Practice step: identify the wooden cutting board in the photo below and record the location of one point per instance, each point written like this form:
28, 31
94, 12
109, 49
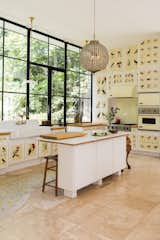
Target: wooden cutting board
5, 133
60, 136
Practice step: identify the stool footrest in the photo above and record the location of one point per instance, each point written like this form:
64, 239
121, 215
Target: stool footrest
52, 168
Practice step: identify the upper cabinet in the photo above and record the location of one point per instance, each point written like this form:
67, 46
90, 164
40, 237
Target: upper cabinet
131, 57
149, 65
149, 52
116, 59
123, 91
149, 80
131, 70
149, 99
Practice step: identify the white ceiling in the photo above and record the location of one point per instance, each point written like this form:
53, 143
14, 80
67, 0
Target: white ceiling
118, 22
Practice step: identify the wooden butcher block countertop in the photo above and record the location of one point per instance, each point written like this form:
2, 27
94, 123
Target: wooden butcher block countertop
60, 136
57, 128
5, 133
87, 124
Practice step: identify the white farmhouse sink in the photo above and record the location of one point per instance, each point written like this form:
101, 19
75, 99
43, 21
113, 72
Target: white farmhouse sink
23, 131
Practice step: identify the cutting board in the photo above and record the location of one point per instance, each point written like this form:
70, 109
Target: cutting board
60, 136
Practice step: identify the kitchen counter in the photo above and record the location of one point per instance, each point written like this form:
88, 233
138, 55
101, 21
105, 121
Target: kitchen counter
86, 139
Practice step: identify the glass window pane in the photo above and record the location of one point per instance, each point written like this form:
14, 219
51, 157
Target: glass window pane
0, 106
57, 110
38, 107
82, 70
14, 75
57, 83
56, 53
73, 105
13, 105
73, 58
85, 110
15, 41
73, 89
1, 73
1, 37
39, 48
39, 80
85, 86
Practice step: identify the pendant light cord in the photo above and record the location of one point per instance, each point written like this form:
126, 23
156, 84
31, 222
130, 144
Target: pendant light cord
94, 22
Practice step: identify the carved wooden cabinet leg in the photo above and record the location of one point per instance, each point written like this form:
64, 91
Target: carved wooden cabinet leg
128, 165
128, 149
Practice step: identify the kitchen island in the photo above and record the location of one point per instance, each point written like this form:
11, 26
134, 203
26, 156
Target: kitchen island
86, 160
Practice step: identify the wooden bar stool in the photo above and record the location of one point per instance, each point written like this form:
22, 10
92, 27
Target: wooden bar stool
53, 168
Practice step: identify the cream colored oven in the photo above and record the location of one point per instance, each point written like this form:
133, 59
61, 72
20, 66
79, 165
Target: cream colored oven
149, 122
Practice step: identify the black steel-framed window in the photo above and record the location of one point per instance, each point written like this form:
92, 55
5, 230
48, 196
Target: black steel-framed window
41, 75
78, 90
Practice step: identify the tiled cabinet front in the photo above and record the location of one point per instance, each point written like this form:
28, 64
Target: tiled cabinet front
148, 71
149, 142
115, 59
149, 52
54, 149
3, 155
134, 138
31, 149
16, 151
131, 54
148, 80
44, 149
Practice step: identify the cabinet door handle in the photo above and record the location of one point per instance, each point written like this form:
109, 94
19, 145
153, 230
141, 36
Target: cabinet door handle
140, 103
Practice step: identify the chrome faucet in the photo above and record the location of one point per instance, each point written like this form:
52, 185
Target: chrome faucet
65, 128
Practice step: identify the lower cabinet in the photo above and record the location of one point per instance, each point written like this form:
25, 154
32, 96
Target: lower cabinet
105, 158
81, 165
133, 137
54, 148
44, 149
119, 154
149, 141
111, 156
16, 151
3, 155
31, 149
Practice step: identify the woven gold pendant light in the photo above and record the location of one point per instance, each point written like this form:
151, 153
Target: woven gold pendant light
94, 56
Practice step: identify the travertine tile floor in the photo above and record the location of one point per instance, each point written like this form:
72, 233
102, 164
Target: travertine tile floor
126, 207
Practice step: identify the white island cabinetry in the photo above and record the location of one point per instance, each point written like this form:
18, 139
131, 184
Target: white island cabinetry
89, 160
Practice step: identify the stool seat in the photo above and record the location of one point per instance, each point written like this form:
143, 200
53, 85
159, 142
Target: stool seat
52, 157
53, 168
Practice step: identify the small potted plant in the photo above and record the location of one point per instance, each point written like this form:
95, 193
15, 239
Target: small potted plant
111, 115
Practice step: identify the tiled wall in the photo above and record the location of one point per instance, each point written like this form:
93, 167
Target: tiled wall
137, 65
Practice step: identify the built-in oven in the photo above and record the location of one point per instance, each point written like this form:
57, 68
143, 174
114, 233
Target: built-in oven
149, 122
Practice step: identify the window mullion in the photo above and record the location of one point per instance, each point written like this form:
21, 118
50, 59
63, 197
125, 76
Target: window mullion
28, 71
